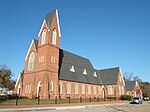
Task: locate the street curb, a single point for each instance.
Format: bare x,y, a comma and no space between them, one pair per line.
59,108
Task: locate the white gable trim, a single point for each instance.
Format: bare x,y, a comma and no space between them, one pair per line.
122,76
29,49
17,80
44,22
58,23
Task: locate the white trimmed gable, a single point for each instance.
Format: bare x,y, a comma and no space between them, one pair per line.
29,49
44,22
121,76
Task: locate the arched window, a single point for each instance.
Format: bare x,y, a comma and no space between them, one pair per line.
43,37
128,93
110,90
76,88
83,89
99,89
119,87
54,37
122,90
51,86
68,88
89,89
31,62
94,89
60,87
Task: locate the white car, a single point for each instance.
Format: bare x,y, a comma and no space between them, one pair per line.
146,98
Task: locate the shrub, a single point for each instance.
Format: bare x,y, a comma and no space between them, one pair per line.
126,97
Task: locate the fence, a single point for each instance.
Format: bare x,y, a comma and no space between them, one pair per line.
38,101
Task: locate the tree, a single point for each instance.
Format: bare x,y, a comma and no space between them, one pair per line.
145,87
130,77
5,77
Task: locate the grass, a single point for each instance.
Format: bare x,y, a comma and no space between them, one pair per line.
26,101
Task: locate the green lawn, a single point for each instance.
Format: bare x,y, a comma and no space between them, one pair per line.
27,101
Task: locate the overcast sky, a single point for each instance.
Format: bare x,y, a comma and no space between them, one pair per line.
111,33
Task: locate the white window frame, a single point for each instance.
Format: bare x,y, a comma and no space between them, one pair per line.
110,90
68,88
54,36
60,87
43,40
41,59
122,89
25,88
99,89
83,89
94,90
76,88
128,93
51,86
119,88
30,88
89,89
31,61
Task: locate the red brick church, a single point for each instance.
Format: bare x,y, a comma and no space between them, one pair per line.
51,72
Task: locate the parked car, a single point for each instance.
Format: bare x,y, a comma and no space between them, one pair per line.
136,100
146,98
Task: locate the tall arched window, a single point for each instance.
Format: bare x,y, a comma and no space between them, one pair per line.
31,62
110,90
60,87
76,88
51,86
43,37
68,88
89,89
54,37
94,89
83,89
122,90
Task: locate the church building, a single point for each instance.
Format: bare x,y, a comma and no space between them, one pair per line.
52,72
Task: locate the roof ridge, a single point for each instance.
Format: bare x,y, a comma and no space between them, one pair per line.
76,54
109,68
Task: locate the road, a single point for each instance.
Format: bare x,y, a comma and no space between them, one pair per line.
145,107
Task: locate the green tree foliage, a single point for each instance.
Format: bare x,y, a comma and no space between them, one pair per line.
145,87
5,77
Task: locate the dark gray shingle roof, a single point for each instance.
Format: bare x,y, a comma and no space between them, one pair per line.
49,18
109,76
129,85
67,60
36,44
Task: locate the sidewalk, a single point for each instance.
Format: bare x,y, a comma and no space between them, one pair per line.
56,106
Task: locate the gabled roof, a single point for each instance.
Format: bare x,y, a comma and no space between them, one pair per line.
67,59
35,42
49,18
109,76
129,85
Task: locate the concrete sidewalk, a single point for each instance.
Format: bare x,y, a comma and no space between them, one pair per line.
8,108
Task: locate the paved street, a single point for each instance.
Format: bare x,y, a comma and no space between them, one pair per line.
145,107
